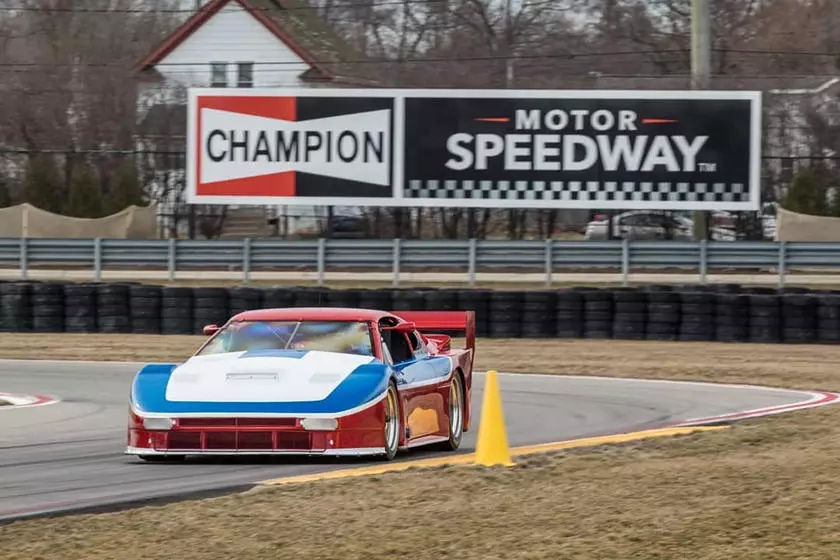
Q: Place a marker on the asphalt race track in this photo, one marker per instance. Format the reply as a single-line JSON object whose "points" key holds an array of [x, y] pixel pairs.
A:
{"points": [[69, 455]]}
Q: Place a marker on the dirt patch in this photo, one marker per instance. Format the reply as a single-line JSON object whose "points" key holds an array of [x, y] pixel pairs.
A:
{"points": [[762, 490]]}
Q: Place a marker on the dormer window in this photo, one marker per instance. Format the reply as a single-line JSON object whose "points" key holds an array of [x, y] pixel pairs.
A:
{"points": [[218, 76], [245, 75]]}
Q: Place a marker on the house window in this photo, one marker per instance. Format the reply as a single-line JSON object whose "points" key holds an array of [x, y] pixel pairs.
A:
{"points": [[246, 75], [219, 74]]}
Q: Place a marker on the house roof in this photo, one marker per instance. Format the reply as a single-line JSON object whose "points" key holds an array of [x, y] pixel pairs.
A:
{"points": [[294, 23]]}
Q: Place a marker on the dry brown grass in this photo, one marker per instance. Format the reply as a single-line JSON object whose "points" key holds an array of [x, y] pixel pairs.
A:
{"points": [[763, 490], [793, 366]]}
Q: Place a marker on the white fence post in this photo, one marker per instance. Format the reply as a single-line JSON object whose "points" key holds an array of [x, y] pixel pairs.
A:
{"points": [[171, 258], [97, 259], [471, 262], [396, 256], [246, 259], [322, 258], [782, 262], [24, 258], [625, 261], [549, 261]]}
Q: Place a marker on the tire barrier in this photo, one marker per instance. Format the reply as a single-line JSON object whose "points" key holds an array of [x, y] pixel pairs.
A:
{"points": [[726, 313]]}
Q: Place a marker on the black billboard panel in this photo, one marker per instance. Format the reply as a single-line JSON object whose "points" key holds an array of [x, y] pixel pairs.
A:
{"points": [[583, 151]]}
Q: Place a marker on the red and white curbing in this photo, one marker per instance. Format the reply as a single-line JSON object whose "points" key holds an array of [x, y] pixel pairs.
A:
{"points": [[817, 398], [10, 402]]}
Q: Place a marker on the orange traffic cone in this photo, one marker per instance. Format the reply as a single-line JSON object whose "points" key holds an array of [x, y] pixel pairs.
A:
{"points": [[492, 446]]}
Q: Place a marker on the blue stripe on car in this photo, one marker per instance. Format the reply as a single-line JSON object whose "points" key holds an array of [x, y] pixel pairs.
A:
{"points": [[363, 385]]}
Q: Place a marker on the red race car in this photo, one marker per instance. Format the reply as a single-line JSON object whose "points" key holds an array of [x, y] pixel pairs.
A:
{"points": [[312, 381]]}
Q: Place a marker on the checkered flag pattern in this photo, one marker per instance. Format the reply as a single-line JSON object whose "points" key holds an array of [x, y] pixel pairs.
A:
{"points": [[579, 191]]}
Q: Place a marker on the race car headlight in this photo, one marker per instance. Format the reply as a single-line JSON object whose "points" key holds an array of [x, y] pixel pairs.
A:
{"points": [[158, 423], [322, 424]]}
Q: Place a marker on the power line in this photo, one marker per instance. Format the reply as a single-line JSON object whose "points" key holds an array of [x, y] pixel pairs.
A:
{"points": [[77, 10], [538, 56], [366, 60]]}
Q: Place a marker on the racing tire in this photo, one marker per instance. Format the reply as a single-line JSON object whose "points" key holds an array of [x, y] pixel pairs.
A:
{"points": [[456, 414], [392, 422]]}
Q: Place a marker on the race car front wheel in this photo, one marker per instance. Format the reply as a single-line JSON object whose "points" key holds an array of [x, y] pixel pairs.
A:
{"points": [[392, 422]]}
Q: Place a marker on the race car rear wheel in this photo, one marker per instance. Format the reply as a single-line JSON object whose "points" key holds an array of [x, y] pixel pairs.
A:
{"points": [[456, 414], [392, 422]]}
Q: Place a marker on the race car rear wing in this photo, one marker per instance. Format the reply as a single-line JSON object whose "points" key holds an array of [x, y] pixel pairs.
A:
{"points": [[430, 323]]}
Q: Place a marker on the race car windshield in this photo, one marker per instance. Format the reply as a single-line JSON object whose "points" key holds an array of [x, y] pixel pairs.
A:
{"points": [[348, 337]]}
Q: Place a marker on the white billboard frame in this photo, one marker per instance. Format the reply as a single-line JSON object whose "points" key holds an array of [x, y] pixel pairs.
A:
{"points": [[398, 188]]}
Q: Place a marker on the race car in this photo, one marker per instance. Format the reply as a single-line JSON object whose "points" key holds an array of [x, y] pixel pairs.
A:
{"points": [[310, 381]]}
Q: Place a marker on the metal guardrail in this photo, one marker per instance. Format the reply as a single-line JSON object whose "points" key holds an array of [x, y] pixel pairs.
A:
{"points": [[396, 256]]}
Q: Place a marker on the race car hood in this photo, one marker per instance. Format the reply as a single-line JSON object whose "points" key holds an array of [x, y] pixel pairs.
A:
{"points": [[262, 382]]}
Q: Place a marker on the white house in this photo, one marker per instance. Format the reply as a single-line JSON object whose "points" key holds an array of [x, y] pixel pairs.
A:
{"points": [[233, 44]]}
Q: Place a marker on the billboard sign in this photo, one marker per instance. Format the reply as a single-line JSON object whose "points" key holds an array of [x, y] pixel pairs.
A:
{"points": [[682, 150]]}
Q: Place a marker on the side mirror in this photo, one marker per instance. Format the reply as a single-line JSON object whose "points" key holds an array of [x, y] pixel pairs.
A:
{"points": [[210, 330]]}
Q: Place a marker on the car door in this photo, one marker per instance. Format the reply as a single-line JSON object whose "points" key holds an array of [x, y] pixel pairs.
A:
{"points": [[629, 226], [423, 382]]}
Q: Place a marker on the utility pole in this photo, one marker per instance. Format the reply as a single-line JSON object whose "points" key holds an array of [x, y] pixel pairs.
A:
{"points": [[513, 214], [509, 44], [701, 62]]}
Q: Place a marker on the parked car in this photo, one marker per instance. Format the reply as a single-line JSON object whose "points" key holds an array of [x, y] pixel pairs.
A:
{"points": [[649, 225]]}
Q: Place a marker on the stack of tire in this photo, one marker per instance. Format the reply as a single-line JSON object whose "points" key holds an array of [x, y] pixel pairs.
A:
{"points": [[176, 310], [113, 309], [278, 298], [663, 312], [732, 314], [828, 318], [244, 298], [539, 314], [343, 298], [375, 299], [597, 313], [477, 301], [799, 318], [698, 320], [442, 300], [569, 314], [765, 316], [211, 306], [408, 300], [310, 297], [505, 311], [630, 315], [144, 303], [47, 300], [80, 308], [16, 307]]}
